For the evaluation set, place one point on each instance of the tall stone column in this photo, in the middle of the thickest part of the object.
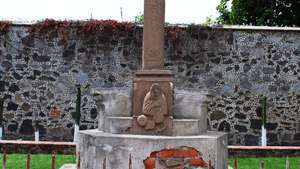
(153, 37)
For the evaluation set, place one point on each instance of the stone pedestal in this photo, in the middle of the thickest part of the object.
(153, 101)
(115, 147)
(125, 151)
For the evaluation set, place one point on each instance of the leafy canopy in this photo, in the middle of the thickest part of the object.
(259, 12)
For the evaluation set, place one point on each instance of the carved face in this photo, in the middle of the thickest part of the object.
(155, 90)
(142, 120)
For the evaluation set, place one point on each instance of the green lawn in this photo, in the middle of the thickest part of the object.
(40, 161)
(43, 161)
(270, 163)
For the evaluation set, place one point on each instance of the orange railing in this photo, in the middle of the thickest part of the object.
(28, 146)
(70, 147)
(261, 151)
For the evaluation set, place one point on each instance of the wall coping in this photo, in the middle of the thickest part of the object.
(217, 27)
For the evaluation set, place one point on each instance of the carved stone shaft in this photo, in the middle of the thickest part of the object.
(153, 42)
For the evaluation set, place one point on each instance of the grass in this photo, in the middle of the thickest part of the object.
(270, 163)
(43, 161)
(38, 161)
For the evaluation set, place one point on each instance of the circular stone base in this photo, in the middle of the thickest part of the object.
(122, 151)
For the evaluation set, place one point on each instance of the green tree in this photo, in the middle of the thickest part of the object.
(139, 19)
(224, 13)
(260, 12)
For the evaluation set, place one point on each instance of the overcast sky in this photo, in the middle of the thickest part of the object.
(177, 11)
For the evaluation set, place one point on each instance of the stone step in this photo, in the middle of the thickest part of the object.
(181, 127)
(68, 166)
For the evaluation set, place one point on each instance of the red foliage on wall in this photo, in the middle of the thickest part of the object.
(173, 34)
(104, 25)
(4, 26)
(48, 24)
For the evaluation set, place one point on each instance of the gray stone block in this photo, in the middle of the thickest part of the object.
(117, 102)
(190, 105)
(186, 127)
(117, 125)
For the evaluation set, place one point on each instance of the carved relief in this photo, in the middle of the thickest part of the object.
(154, 108)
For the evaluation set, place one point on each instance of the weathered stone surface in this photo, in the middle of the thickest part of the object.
(94, 113)
(2, 86)
(240, 116)
(26, 127)
(40, 58)
(224, 126)
(271, 126)
(190, 105)
(240, 128)
(13, 88)
(256, 124)
(60, 133)
(12, 127)
(217, 115)
(95, 146)
(25, 107)
(272, 138)
(251, 140)
(297, 136)
(11, 106)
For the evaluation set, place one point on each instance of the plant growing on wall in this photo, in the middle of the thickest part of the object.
(4, 26)
(264, 111)
(77, 114)
(36, 130)
(139, 19)
(264, 121)
(1, 116)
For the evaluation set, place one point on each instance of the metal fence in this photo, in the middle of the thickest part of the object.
(54, 147)
(29, 146)
(237, 152)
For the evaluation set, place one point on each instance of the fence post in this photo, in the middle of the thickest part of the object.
(28, 160)
(209, 164)
(53, 160)
(262, 165)
(287, 163)
(104, 163)
(130, 162)
(235, 165)
(78, 160)
(4, 157)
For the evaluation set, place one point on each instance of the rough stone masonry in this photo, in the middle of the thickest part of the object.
(237, 66)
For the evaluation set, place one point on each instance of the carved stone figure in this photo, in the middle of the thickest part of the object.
(154, 108)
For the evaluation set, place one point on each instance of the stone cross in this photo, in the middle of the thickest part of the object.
(153, 86)
(153, 37)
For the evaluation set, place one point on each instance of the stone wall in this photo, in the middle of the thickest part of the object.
(40, 70)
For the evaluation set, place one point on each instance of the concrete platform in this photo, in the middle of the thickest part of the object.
(122, 151)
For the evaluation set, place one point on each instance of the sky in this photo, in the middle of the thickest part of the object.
(177, 11)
